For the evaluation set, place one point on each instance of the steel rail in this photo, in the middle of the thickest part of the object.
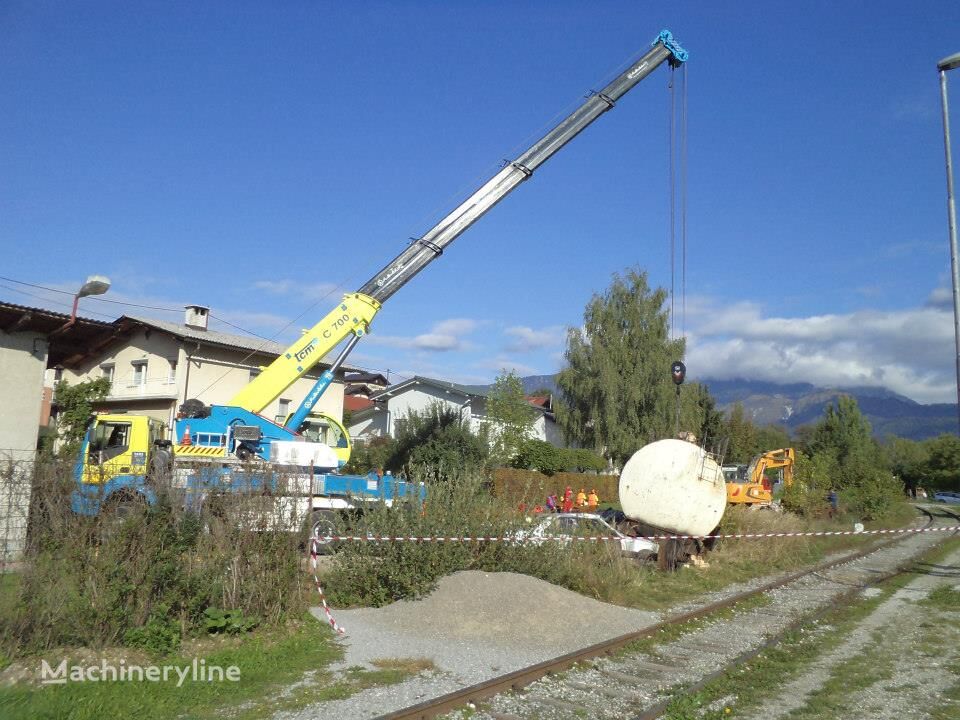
(525, 676)
(655, 711)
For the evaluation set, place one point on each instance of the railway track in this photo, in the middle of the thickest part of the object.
(638, 674)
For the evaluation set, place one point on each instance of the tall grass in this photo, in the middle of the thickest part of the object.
(459, 504)
(146, 578)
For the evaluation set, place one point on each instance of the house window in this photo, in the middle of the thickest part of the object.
(254, 372)
(106, 371)
(283, 409)
(172, 376)
(139, 373)
(57, 374)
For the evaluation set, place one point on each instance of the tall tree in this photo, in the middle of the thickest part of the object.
(616, 393)
(743, 435)
(943, 463)
(510, 416)
(700, 415)
(771, 437)
(845, 433)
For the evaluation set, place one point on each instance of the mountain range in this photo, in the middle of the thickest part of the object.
(795, 404)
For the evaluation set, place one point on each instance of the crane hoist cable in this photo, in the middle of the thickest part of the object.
(677, 179)
(678, 186)
(672, 180)
(683, 201)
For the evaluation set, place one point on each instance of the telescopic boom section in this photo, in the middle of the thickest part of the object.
(422, 252)
(357, 310)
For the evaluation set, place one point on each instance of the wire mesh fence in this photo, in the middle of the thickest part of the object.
(86, 567)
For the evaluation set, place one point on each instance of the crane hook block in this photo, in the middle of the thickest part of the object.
(666, 37)
(679, 371)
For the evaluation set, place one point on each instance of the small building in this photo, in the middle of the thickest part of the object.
(364, 384)
(31, 340)
(378, 419)
(156, 365)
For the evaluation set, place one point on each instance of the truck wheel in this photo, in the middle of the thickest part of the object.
(118, 509)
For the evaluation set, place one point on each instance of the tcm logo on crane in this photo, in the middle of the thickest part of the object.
(306, 350)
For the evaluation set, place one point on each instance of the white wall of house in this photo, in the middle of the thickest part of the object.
(152, 373)
(373, 424)
(419, 397)
(23, 360)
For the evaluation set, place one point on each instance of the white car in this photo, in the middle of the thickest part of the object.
(564, 527)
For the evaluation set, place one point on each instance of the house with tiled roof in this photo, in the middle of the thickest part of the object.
(155, 365)
(420, 393)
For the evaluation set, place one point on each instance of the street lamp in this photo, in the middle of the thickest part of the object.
(95, 285)
(949, 63)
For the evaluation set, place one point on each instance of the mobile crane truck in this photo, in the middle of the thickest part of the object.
(232, 448)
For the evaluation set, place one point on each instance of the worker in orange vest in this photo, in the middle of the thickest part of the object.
(581, 499)
(593, 500)
(568, 500)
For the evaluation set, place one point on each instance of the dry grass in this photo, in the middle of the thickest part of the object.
(406, 665)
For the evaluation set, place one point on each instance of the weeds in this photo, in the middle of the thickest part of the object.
(145, 579)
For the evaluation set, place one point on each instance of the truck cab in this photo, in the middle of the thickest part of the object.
(117, 454)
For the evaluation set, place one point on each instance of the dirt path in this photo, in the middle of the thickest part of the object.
(898, 662)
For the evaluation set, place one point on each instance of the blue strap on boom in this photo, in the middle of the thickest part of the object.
(666, 37)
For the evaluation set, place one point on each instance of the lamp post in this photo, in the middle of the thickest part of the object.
(94, 285)
(949, 63)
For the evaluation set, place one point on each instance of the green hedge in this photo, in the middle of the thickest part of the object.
(530, 486)
(549, 459)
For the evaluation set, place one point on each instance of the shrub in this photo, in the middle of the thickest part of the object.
(232, 622)
(546, 458)
(459, 504)
(813, 478)
(159, 635)
(438, 437)
(540, 455)
(584, 460)
(868, 492)
(146, 579)
(372, 455)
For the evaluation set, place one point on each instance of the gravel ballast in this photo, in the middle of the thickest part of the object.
(474, 626)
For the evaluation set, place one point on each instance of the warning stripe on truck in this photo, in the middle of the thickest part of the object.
(198, 451)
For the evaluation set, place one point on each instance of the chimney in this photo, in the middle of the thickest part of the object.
(196, 317)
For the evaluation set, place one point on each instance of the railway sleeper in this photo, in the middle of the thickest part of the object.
(625, 695)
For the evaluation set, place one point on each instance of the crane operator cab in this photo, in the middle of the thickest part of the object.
(322, 428)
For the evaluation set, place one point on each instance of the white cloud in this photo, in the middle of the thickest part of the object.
(908, 351)
(444, 336)
(525, 339)
(308, 291)
(941, 298)
(498, 364)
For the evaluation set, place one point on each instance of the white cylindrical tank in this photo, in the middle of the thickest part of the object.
(673, 485)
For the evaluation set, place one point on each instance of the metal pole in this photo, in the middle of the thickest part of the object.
(948, 64)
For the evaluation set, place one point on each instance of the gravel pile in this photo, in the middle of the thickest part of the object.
(473, 627)
(477, 625)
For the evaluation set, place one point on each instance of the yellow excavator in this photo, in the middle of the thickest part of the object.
(750, 485)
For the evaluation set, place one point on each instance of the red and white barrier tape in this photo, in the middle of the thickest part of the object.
(605, 538)
(323, 598)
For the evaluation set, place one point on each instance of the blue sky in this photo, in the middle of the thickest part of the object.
(263, 158)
